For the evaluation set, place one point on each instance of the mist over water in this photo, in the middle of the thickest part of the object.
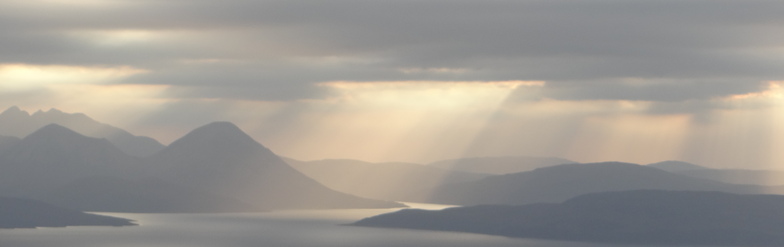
(302, 228)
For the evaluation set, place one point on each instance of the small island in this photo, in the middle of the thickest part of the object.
(628, 217)
(26, 213)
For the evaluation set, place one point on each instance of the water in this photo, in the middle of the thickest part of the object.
(317, 228)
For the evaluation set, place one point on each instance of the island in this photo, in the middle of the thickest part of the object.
(26, 213)
(626, 217)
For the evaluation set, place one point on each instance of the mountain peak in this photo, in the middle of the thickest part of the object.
(54, 131)
(13, 109)
(13, 112)
(52, 112)
(219, 126)
(220, 135)
(219, 130)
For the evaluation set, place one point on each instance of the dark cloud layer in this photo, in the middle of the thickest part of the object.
(651, 90)
(277, 50)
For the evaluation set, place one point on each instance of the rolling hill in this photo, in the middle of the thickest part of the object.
(558, 183)
(628, 217)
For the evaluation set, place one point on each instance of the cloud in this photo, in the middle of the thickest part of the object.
(281, 49)
(650, 90)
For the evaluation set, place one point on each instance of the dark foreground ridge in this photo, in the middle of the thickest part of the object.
(25, 213)
(629, 217)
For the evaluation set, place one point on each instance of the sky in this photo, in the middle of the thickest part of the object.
(625, 80)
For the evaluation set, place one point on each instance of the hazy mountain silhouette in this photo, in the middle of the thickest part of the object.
(638, 217)
(500, 165)
(220, 158)
(55, 155)
(677, 166)
(388, 181)
(26, 213)
(65, 168)
(735, 176)
(8, 141)
(558, 183)
(15, 122)
(151, 195)
(739, 176)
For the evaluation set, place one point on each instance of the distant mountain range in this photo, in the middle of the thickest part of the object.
(222, 159)
(19, 123)
(739, 176)
(734, 176)
(559, 183)
(219, 168)
(55, 155)
(215, 168)
(26, 213)
(677, 166)
(387, 181)
(628, 217)
(499, 165)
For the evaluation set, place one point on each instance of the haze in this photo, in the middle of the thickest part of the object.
(417, 81)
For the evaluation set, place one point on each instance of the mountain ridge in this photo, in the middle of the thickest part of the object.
(558, 183)
(55, 155)
(20, 123)
(628, 217)
(221, 158)
(499, 165)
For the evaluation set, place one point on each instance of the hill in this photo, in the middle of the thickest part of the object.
(25, 213)
(558, 183)
(677, 166)
(499, 165)
(629, 217)
(739, 176)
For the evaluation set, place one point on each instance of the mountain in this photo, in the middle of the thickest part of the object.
(499, 165)
(386, 181)
(558, 183)
(222, 159)
(59, 166)
(677, 166)
(739, 176)
(8, 141)
(55, 155)
(629, 217)
(25, 213)
(150, 195)
(19, 123)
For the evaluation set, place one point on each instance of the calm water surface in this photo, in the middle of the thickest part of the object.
(317, 228)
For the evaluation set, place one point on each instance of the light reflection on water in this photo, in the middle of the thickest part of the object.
(302, 228)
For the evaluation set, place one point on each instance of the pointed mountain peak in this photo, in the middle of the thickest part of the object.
(50, 112)
(219, 129)
(217, 134)
(14, 111)
(219, 126)
(54, 131)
